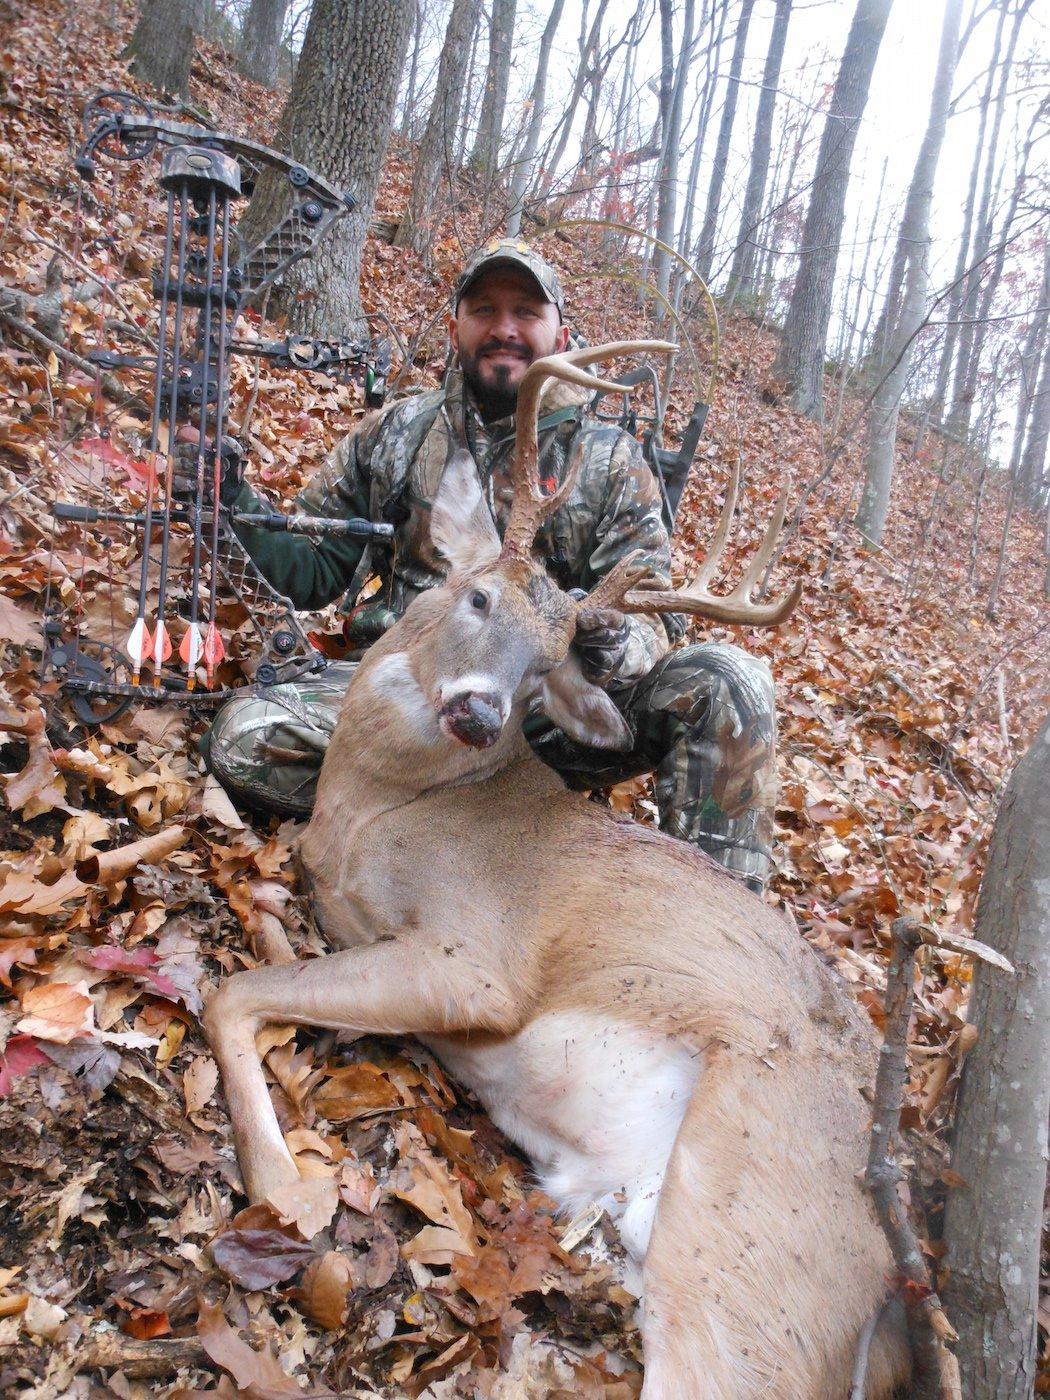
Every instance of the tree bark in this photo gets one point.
(259, 50)
(1033, 458)
(800, 363)
(671, 140)
(915, 237)
(485, 154)
(160, 51)
(439, 138)
(408, 111)
(522, 177)
(708, 231)
(742, 281)
(992, 1224)
(336, 121)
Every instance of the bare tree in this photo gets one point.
(742, 282)
(160, 51)
(523, 169)
(705, 251)
(439, 138)
(1034, 456)
(999, 1146)
(485, 154)
(408, 111)
(337, 120)
(800, 363)
(915, 238)
(259, 50)
(671, 134)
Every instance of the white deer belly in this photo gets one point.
(595, 1104)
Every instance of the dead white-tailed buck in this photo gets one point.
(651, 1033)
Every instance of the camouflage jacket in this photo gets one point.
(390, 466)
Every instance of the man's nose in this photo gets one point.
(505, 326)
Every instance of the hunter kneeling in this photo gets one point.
(702, 718)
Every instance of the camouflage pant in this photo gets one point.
(703, 722)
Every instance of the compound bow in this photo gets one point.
(204, 279)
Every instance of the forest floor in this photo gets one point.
(418, 1258)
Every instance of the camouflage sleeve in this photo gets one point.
(314, 572)
(631, 519)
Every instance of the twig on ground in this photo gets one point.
(860, 1365)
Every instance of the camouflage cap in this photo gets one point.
(511, 252)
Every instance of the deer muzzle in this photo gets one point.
(473, 719)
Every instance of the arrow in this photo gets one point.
(214, 651)
(138, 647)
(191, 649)
(161, 649)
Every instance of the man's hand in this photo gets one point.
(184, 477)
(601, 643)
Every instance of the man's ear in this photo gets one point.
(461, 524)
(582, 710)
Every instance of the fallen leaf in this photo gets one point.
(58, 1011)
(353, 1091)
(256, 1252)
(198, 1083)
(308, 1205)
(325, 1288)
(20, 1055)
(255, 1370)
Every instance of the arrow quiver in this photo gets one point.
(194, 578)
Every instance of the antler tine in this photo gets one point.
(531, 507)
(694, 598)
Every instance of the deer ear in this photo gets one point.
(461, 524)
(581, 710)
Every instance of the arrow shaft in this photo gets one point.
(204, 338)
(210, 657)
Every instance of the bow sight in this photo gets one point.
(205, 276)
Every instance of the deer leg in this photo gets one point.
(388, 988)
(732, 1303)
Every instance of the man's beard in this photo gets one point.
(495, 395)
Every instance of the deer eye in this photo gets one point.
(479, 600)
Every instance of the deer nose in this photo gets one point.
(474, 718)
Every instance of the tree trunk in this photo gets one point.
(336, 121)
(1033, 458)
(915, 236)
(160, 51)
(522, 177)
(589, 46)
(436, 148)
(999, 1147)
(467, 103)
(259, 50)
(957, 292)
(962, 402)
(742, 282)
(670, 144)
(708, 231)
(800, 363)
(485, 154)
(408, 111)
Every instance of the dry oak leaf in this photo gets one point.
(198, 1083)
(325, 1288)
(354, 1091)
(23, 892)
(308, 1205)
(58, 1011)
(255, 1371)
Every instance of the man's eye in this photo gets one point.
(479, 600)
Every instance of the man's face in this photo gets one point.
(503, 323)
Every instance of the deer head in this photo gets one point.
(501, 635)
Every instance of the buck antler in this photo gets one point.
(531, 507)
(615, 589)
